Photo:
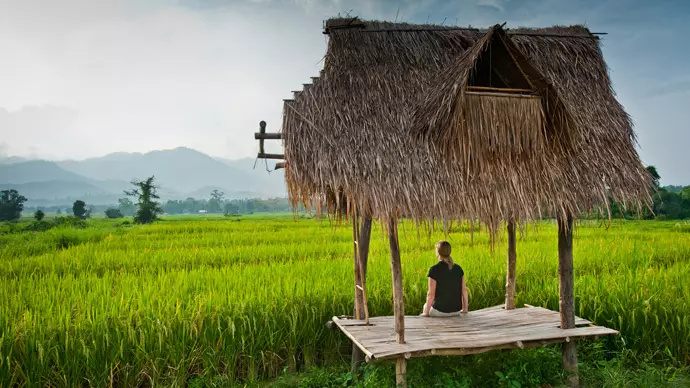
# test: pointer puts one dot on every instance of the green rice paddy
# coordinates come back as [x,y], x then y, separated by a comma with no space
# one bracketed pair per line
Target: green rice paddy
[246,299]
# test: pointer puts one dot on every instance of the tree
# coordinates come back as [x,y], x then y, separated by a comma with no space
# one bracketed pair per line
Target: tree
[113,213]
[145,192]
[39,215]
[126,207]
[214,204]
[59,211]
[249,206]
[231,209]
[655,175]
[79,209]
[685,194]
[11,205]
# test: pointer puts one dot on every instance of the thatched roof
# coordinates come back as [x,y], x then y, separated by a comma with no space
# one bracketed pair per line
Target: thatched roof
[391,125]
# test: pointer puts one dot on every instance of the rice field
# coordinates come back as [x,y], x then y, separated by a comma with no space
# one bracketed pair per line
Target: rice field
[246,299]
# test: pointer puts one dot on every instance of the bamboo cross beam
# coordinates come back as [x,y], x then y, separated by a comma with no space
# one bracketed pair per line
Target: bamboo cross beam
[267,136]
[263,155]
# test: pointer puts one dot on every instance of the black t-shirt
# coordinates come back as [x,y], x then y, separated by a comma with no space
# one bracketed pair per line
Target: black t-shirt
[448,287]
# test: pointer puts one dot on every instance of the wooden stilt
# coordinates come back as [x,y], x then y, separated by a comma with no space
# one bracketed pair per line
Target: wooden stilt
[510,273]
[364,238]
[400,372]
[362,246]
[567,295]
[358,275]
[398,305]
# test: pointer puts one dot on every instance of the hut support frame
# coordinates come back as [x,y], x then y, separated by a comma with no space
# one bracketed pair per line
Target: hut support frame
[362,236]
[567,295]
[510,273]
[398,304]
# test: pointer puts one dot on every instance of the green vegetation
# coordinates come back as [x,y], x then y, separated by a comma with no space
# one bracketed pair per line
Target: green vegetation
[224,300]
[145,193]
[113,213]
[11,205]
[79,209]
[39,215]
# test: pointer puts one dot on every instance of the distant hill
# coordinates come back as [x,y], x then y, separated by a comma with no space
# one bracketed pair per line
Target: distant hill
[12,159]
[36,171]
[55,190]
[183,170]
[180,173]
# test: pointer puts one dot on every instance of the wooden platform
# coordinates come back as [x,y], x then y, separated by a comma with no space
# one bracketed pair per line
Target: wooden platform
[475,332]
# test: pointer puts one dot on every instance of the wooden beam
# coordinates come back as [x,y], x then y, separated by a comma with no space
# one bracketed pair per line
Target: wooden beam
[364,239]
[469,351]
[262,155]
[510,273]
[362,236]
[268,136]
[352,338]
[358,275]
[280,165]
[496,94]
[401,372]
[396,270]
[503,90]
[567,295]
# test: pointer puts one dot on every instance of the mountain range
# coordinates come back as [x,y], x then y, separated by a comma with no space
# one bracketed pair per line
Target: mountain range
[179,173]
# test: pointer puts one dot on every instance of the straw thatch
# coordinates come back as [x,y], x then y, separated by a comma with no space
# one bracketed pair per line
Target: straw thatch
[390,127]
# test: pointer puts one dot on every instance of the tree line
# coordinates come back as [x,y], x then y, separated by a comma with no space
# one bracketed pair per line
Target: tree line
[141,202]
[672,202]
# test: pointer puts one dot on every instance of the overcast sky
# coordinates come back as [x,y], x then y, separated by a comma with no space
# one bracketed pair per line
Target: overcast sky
[83,78]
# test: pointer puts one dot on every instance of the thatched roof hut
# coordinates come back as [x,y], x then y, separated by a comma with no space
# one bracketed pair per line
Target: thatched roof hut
[442,122]
[435,122]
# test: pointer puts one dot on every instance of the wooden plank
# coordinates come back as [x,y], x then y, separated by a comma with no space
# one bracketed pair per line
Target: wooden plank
[556,335]
[566,285]
[476,332]
[510,272]
[396,270]
[354,340]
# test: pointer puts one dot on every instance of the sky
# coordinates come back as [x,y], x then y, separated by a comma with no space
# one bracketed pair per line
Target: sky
[83,78]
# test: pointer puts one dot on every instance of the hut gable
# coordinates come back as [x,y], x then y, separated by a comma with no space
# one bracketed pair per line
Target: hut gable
[391,125]
[490,102]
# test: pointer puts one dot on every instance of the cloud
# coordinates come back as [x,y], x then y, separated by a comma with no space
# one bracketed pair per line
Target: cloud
[496,4]
[37,131]
[142,75]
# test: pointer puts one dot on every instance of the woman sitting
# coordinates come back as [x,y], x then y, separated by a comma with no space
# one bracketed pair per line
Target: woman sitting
[447,294]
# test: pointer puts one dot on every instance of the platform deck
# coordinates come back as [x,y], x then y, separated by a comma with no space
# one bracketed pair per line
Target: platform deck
[474,332]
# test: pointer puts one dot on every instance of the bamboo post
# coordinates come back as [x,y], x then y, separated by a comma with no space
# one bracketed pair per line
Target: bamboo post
[510,273]
[398,304]
[567,295]
[401,372]
[363,246]
[358,275]
[362,256]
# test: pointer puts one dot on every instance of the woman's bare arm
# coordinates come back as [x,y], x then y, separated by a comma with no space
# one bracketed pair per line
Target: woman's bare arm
[430,296]
[465,297]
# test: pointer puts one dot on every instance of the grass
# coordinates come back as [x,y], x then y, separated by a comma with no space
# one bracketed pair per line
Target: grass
[241,300]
